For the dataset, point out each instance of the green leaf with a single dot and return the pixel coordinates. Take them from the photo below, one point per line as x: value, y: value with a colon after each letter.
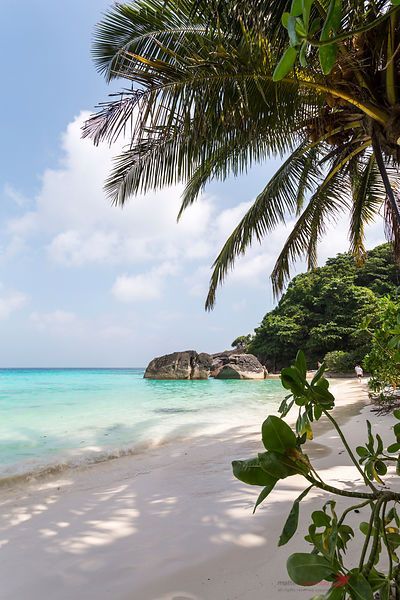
x: 250, y: 472
x: 393, y: 539
x: 364, y: 526
x: 396, y: 413
x: 318, y: 374
x: 277, y: 436
x: 359, y: 588
x: 396, y: 430
x: 315, y: 25
x: 292, y: 31
x: 335, y: 593
x: 285, y: 64
x: 376, y: 580
x: 285, y: 19
x: 308, y: 569
x: 300, y: 29
x: 380, y: 467
x: 292, y: 521
x: 361, y: 451
x: 306, y: 5
x: 327, y: 57
x: 291, y: 379
x: 277, y: 465
x: 301, y: 363
x: 320, y: 519
x: 323, y: 395
x: 327, y: 54
x: 265, y: 492
x: 370, y: 444
x: 296, y: 8
x: 393, y: 448
x: 303, y: 54
x: 379, y: 447
x: 317, y: 412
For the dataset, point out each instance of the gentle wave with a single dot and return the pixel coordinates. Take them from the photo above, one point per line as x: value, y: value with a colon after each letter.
x: 80, y: 462
x: 52, y: 420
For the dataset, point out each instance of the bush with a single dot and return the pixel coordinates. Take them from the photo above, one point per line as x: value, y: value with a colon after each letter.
x: 339, y: 361
x: 383, y: 359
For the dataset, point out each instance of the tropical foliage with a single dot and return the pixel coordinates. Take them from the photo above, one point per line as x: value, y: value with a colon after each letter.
x: 333, y: 553
x: 322, y: 312
x: 339, y: 361
x: 242, y: 342
x: 209, y: 96
x: 383, y: 359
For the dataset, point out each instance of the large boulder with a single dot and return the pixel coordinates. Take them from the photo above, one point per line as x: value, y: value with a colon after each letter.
x: 237, y: 366
x: 180, y: 365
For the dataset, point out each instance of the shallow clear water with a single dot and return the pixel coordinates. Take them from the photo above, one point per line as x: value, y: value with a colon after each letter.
x: 55, y: 416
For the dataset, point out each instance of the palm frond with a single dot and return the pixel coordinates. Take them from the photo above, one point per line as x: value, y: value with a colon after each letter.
x: 279, y: 198
x: 332, y: 197
x: 368, y: 196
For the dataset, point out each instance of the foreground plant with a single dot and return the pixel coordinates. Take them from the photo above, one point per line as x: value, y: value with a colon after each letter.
x: 329, y: 534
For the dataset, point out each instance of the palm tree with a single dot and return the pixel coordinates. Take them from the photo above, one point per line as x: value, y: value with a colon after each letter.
x: 212, y: 91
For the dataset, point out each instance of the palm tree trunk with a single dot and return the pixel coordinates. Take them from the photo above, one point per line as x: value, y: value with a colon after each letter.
x: 385, y: 178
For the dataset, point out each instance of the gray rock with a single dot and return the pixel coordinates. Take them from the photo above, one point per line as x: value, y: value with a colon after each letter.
x: 180, y: 365
x: 237, y: 366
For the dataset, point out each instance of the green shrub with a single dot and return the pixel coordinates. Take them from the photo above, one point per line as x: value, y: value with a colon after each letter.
x: 339, y: 361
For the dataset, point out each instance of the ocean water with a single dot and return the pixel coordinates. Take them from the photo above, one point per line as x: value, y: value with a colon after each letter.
x: 52, y: 418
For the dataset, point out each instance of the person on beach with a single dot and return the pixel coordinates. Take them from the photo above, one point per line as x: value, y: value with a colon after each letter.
x: 359, y: 372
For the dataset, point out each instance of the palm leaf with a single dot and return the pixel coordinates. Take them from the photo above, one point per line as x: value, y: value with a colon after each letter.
x: 279, y: 198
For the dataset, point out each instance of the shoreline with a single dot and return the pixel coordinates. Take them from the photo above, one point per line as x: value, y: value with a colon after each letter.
x: 141, y: 526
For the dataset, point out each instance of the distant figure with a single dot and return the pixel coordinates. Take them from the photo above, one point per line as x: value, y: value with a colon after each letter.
x: 359, y: 372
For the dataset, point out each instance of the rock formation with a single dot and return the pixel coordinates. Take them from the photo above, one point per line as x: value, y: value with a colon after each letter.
x: 180, y: 365
x: 237, y: 366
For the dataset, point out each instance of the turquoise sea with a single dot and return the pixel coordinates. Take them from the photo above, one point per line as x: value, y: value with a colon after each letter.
x: 65, y: 417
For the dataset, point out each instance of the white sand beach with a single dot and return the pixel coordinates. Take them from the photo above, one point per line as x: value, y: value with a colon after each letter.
x: 170, y: 524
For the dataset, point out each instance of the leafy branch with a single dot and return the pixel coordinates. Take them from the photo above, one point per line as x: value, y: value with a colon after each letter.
x: 328, y: 533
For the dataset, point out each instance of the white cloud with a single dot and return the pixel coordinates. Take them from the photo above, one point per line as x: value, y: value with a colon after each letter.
x: 75, y: 225
x: 14, y: 195
x: 10, y: 301
x: 57, y: 320
x: 144, y: 286
x: 78, y: 225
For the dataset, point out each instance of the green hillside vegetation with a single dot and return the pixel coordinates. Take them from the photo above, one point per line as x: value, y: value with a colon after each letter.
x: 322, y: 312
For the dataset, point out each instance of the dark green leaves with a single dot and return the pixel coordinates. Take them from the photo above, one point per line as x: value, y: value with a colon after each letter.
x: 277, y: 465
x: 315, y: 394
x: 361, y: 451
x: 297, y: 23
x: 277, y: 435
x: 320, y: 519
x: 265, y: 493
x: 359, y: 588
x: 308, y: 569
x: 250, y: 472
x: 393, y: 448
x: 292, y: 521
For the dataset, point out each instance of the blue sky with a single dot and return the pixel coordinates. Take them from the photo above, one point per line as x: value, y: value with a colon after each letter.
x: 85, y: 284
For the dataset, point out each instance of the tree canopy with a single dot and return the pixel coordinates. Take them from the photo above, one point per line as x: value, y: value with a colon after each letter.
x: 322, y: 310
x: 205, y: 102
